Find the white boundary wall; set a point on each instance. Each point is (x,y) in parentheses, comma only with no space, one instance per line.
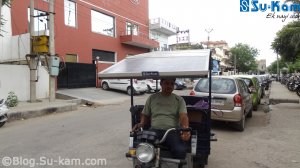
(16,78)
(14,48)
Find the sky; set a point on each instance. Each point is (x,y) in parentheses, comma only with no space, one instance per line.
(226,20)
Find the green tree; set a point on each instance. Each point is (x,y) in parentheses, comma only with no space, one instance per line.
(294,67)
(287,43)
(188,46)
(273,67)
(245,57)
(197,46)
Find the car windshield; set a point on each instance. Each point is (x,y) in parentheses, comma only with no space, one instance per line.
(219,85)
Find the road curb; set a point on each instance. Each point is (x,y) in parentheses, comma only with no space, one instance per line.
(36,112)
(277,101)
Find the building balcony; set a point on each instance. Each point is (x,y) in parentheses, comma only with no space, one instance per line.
(140,40)
(163,26)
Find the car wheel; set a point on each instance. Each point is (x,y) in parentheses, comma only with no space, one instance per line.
(149,89)
(255,107)
(129,91)
(196,163)
(249,115)
(2,123)
(105,86)
(241,124)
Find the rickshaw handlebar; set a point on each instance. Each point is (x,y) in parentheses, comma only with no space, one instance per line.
(172,129)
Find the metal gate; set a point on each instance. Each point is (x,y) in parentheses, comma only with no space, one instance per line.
(77,75)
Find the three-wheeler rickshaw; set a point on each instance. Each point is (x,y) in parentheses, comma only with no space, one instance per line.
(145,149)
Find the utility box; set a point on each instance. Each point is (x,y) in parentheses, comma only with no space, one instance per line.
(54,66)
(40,44)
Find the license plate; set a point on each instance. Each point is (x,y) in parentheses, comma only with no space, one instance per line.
(217,102)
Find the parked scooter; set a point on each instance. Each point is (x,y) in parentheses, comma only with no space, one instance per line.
(3,112)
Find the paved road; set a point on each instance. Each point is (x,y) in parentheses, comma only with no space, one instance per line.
(86,133)
(269,141)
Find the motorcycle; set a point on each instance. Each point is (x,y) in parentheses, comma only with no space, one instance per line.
(3,112)
(298,89)
(148,150)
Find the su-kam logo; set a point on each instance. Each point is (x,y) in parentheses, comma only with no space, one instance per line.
(274,6)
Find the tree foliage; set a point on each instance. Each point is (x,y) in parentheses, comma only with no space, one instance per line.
(291,67)
(188,46)
(273,67)
(287,43)
(245,57)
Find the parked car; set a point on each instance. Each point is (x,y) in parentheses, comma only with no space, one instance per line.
(262,84)
(139,86)
(179,84)
(230,99)
(195,81)
(153,85)
(256,90)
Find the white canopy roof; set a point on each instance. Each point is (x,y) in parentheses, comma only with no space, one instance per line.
(158,64)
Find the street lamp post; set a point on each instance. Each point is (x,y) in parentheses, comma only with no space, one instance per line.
(208,31)
(97,81)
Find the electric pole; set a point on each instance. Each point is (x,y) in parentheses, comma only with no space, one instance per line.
(32,62)
(208,32)
(52,79)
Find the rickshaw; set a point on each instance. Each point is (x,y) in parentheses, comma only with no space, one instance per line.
(145,149)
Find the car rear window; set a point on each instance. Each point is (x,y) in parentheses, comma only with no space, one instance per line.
(219,85)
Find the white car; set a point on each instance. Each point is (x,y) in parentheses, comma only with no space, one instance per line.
(139,86)
(151,84)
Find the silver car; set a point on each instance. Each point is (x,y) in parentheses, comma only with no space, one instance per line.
(231,100)
(139,86)
(153,85)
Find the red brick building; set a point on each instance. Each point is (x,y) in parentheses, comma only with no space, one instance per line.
(85,29)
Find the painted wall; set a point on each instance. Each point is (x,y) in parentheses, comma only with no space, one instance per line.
(81,40)
(16,78)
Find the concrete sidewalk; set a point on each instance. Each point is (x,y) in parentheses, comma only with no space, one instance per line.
(280,94)
(95,96)
(66,100)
